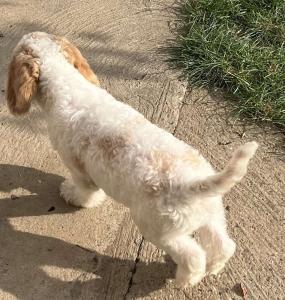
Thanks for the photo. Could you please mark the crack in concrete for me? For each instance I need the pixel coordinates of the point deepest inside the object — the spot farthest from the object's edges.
(183, 103)
(186, 90)
(178, 120)
(134, 269)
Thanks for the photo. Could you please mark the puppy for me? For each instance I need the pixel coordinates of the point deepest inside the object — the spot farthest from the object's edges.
(111, 149)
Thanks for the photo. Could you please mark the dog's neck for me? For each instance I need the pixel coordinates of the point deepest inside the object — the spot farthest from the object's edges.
(57, 78)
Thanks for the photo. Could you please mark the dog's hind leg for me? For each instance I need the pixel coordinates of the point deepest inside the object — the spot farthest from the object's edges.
(190, 258)
(218, 246)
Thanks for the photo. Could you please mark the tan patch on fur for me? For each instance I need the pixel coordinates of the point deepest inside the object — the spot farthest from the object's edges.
(74, 56)
(162, 165)
(192, 158)
(112, 146)
(162, 161)
(23, 76)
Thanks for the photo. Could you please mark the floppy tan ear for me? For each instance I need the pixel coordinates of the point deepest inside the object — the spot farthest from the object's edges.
(74, 56)
(23, 76)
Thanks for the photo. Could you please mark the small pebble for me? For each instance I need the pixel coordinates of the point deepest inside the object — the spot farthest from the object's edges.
(224, 143)
(241, 290)
(51, 208)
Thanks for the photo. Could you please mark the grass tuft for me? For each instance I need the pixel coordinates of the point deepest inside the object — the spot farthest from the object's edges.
(239, 46)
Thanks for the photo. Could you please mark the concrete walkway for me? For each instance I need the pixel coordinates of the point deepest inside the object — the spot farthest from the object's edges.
(49, 250)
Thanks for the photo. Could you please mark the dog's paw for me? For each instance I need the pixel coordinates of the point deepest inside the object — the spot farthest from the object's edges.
(81, 197)
(216, 266)
(215, 269)
(95, 198)
(69, 193)
(183, 279)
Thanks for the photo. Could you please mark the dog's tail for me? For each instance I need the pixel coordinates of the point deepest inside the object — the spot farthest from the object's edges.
(222, 182)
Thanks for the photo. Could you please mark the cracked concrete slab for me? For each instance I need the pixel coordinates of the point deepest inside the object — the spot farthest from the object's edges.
(49, 250)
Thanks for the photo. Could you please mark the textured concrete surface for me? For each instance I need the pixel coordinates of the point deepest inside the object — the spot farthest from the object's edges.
(49, 250)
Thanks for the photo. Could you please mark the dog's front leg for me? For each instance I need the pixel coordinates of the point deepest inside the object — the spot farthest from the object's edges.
(81, 192)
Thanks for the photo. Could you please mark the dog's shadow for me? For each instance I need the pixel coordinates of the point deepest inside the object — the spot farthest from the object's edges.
(26, 257)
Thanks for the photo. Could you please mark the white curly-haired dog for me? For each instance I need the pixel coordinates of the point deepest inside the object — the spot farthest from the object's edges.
(111, 149)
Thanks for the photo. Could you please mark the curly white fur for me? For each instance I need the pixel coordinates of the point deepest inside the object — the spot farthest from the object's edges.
(170, 189)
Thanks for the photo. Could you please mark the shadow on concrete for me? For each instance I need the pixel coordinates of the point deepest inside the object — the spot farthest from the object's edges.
(106, 60)
(8, 3)
(43, 186)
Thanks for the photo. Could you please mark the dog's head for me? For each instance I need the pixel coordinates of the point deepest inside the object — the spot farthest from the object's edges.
(24, 70)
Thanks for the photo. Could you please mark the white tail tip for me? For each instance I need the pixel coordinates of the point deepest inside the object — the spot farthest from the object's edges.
(249, 148)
